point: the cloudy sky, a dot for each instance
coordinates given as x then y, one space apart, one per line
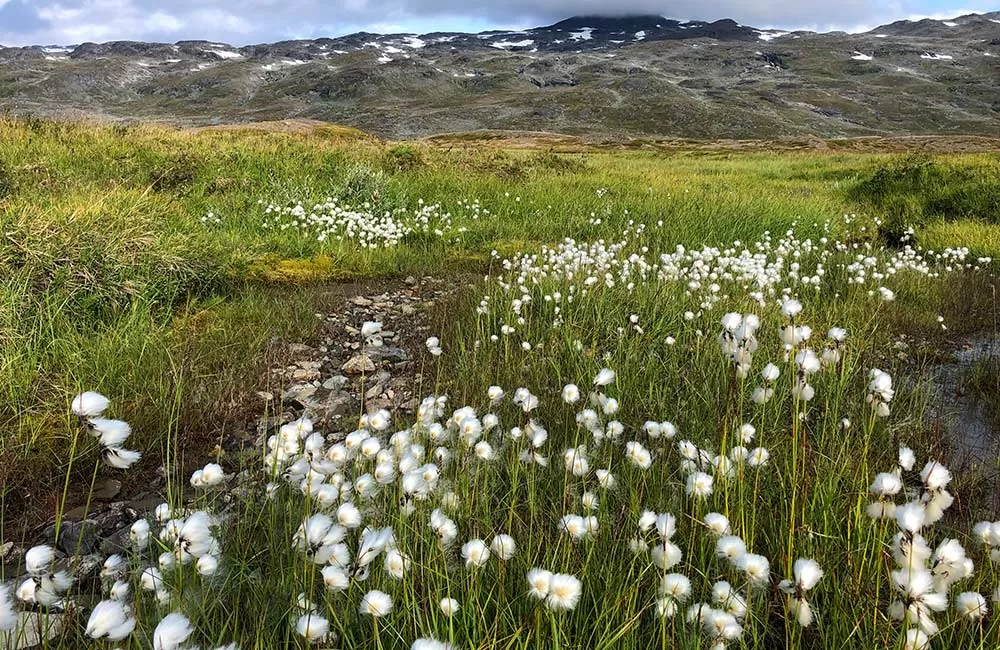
241 22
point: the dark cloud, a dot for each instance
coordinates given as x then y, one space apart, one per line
247 21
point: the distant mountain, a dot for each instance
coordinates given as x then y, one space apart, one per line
613 76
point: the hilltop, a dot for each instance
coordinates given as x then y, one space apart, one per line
619 77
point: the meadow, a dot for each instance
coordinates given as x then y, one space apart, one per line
686 406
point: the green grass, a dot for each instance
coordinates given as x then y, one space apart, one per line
910 191
112 281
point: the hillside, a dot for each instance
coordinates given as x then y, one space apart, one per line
642 75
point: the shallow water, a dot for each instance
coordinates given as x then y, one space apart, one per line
964 419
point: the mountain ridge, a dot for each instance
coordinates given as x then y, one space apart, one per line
625 75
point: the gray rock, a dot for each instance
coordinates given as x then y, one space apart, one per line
388 353
298 393
336 382
374 391
305 374
32 630
358 364
118 541
87 567
107 490
79 537
336 404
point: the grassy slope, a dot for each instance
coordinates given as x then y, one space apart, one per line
110 280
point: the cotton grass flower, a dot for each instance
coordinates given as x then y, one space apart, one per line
476 553
757 568
911 517
638 455
396 563
210 476
207 565
971 605
120 458
539 581
758 457
172 632
675 586
110 433
807 574
935 476
605 377
115 566
915 639
906 459
503 546
427 643
373 541
699 485
790 308
89 405
449 606
717 523
38 560
8 616
376 604
730 548
564 592
110 620
335 578
312 627
665 555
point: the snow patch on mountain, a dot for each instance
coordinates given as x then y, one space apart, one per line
506 45
225 54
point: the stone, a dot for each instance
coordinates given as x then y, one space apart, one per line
267 396
358 364
78 537
407 310
87 567
374 392
388 353
118 541
336 404
107 490
114 517
32 629
410 280
298 393
305 374
361 301
337 382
